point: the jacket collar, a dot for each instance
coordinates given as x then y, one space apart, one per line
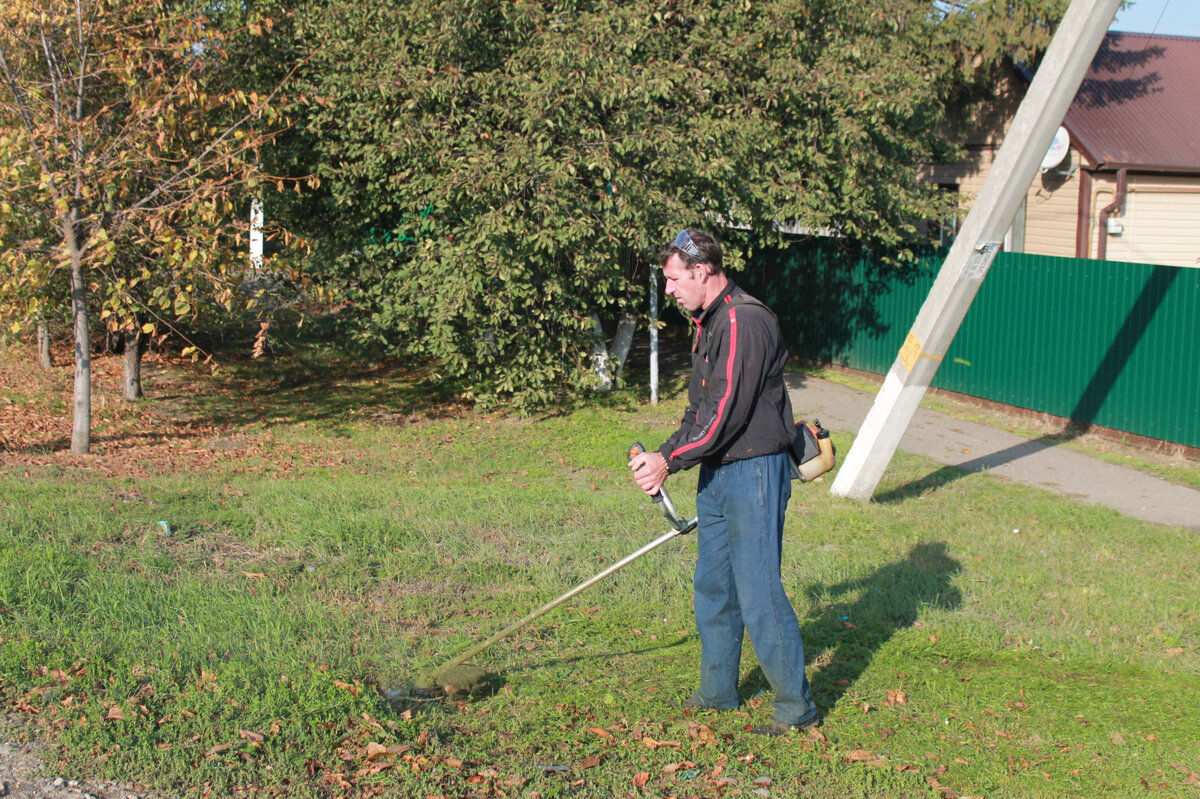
723 299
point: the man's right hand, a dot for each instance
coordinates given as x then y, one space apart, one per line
649 471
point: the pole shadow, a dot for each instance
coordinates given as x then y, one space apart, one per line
1082 416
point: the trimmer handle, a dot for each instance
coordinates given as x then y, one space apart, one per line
662 498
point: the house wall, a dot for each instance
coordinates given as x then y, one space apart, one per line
1051 208
1160 221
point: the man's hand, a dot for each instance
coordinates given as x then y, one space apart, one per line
649 471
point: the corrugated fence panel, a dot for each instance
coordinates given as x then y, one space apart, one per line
1107 343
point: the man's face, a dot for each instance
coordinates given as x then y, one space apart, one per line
687 286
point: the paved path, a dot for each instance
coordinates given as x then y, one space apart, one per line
974 447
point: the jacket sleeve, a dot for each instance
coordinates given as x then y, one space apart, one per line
739 357
679 436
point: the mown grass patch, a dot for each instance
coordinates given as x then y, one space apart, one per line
226 624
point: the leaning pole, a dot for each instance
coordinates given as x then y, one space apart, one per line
1037 119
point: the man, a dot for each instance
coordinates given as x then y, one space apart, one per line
737 428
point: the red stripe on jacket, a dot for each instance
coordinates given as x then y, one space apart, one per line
716 423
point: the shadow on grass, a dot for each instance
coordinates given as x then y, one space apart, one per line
843 638
609 655
323 386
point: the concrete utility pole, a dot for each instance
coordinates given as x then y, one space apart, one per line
1054 87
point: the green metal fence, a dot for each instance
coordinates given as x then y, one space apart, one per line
1100 342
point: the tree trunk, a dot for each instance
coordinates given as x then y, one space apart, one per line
135 345
600 355
623 340
43 338
609 363
81 431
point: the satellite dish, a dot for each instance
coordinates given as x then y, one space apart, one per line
1058 149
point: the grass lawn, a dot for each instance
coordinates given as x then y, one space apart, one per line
213 601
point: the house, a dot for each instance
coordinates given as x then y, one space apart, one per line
1122 182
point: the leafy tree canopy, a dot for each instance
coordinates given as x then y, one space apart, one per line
498 169
123 154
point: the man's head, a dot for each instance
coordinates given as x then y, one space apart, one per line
692 266
694 247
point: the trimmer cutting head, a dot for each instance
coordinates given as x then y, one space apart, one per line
454 681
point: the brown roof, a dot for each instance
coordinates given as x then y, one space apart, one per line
1139 105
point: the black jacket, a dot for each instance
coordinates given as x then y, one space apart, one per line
738 405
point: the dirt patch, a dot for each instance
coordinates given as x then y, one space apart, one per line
167 431
134 439
28 772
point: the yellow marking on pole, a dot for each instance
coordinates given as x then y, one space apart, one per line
910 351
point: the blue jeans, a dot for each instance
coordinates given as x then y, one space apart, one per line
740 507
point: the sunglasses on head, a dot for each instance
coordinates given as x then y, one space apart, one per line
685 244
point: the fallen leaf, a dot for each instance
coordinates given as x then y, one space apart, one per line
671 768
254 575
640 779
1192 777
115 713
247 735
858 756
702 735
589 762
944 790
651 743
603 733
453 762
353 688
897 697
375 751
216 750
1117 739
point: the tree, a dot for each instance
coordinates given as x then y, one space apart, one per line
124 153
493 161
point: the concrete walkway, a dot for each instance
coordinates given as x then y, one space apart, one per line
975 447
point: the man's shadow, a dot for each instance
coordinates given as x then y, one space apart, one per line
846 624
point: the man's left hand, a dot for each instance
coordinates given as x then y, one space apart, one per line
649 471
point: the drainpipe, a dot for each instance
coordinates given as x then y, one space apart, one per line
1115 205
1083 216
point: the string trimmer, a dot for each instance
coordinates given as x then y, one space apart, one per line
457 677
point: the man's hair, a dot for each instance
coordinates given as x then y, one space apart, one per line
708 247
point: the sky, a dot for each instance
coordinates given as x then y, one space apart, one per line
1169 17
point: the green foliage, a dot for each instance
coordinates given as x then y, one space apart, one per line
560 143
